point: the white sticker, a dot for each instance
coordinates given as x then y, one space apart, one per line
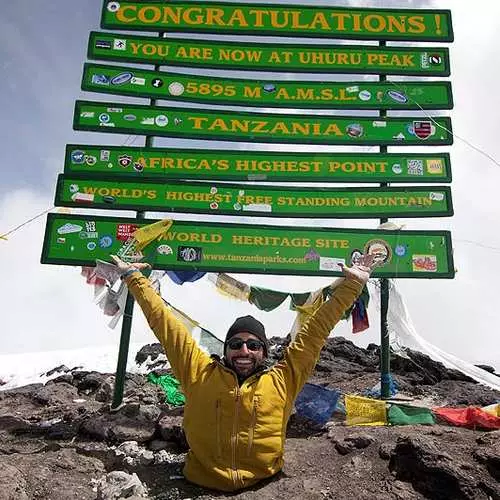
148 121
379 124
330 264
69 228
83 197
137 81
354 88
176 88
258 207
87 114
213 190
119 44
113 6
164 250
436 196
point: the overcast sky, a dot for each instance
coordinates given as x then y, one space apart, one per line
50 307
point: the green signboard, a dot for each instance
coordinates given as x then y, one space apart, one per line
288 20
430 61
242 248
246 200
240 165
260 127
270 93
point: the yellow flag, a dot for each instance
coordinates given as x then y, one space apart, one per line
365 411
2 237
493 409
146 234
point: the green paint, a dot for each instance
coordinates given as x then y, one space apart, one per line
246 200
234 126
419 61
136 82
78 240
237 165
276 20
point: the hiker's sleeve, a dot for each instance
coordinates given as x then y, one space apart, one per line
185 356
302 354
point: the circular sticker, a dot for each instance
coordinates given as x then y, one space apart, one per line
355 130
397 169
355 256
90 160
365 95
138 166
237 206
213 190
214 205
77 157
74 188
157 83
400 250
105 241
104 118
161 121
176 88
380 250
108 199
164 250
269 87
113 6
91 245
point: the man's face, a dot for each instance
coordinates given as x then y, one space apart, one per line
244 361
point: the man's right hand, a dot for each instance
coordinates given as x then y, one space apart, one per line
127 266
360 271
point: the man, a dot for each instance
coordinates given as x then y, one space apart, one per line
236 409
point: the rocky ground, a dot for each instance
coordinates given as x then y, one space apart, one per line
61 441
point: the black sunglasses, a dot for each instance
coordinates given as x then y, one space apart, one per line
252 344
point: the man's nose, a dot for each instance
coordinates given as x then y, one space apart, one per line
244 349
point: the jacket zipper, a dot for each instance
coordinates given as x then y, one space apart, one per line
217 430
234 439
251 430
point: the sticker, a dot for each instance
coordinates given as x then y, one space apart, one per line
354 130
269 88
87 114
189 254
379 124
88 235
410 129
434 166
90 160
258 207
137 81
130 118
365 95
355 256
415 167
330 263
83 198
424 263
352 89
124 161
90 226
119 44
105 241
77 157
104 155
91 245
177 121
113 6
423 129
424 60
436 196
114 110
148 121
380 95
61 240
103 44
399 137
104 118
125 232
396 168
138 166
213 190
435 59
380 250
312 255
400 250
108 199
161 121
214 205
69 228
157 83
100 79
237 206
106 124
397 96
176 88
121 78
164 250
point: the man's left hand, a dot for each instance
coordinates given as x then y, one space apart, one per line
361 270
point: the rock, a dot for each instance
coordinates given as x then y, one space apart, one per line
151 351
385 451
13 423
490 457
60 368
171 429
13 486
119 484
487 368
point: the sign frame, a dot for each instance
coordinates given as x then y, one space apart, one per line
387 35
206 47
255 118
258 93
375 237
340 208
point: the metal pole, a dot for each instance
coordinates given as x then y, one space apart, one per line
121 367
385 354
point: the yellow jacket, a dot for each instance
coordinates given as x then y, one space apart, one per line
236 434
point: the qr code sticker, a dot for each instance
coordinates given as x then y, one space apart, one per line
415 167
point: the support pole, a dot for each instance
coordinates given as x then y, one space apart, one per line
385 354
121 367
